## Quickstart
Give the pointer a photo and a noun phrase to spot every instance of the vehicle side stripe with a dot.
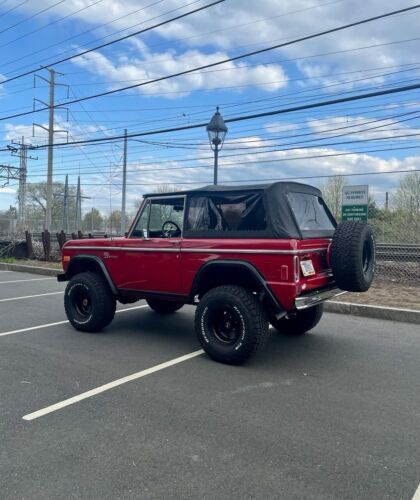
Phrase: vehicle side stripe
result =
(197, 250)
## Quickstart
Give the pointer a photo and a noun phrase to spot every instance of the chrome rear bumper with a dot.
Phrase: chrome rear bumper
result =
(314, 298)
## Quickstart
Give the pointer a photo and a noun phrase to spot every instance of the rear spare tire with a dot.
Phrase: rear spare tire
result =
(299, 322)
(231, 324)
(89, 303)
(164, 306)
(353, 256)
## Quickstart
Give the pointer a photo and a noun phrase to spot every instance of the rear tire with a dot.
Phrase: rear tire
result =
(299, 322)
(353, 256)
(230, 324)
(164, 306)
(89, 303)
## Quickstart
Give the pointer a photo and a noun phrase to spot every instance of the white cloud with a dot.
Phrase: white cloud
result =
(280, 127)
(359, 127)
(138, 69)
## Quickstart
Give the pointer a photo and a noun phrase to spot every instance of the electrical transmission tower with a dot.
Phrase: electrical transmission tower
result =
(20, 149)
(51, 131)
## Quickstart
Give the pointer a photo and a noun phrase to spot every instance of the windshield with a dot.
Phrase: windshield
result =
(310, 213)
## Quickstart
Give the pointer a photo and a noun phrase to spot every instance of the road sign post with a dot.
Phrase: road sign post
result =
(354, 203)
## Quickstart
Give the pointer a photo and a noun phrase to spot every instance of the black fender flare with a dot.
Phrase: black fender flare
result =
(271, 299)
(92, 259)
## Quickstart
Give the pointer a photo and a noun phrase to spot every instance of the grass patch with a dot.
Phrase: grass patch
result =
(8, 260)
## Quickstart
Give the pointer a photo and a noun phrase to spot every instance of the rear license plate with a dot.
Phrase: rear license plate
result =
(307, 268)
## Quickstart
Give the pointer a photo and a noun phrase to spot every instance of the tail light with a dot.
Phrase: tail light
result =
(296, 271)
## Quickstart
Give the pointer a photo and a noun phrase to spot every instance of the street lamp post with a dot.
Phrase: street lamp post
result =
(216, 130)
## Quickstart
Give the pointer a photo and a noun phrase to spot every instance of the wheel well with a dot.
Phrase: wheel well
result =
(83, 266)
(237, 273)
(226, 275)
(90, 264)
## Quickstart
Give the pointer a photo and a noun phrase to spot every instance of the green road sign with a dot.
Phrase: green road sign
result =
(354, 212)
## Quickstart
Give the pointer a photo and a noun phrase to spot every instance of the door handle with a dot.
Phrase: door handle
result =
(174, 242)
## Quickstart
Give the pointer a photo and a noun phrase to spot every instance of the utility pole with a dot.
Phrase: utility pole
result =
(50, 129)
(78, 205)
(124, 186)
(66, 205)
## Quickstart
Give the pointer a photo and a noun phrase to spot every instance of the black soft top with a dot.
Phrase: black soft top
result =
(281, 186)
(281, 220)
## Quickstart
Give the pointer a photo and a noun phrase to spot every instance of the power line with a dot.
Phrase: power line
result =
(250, 117)
(31, 17)
(77, 36)
(144, 30)
(50, 24)
(14, 8)
(159, 44)
(273, 179)
(224, 61)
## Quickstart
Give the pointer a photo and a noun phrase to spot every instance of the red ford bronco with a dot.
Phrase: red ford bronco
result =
(245, 256)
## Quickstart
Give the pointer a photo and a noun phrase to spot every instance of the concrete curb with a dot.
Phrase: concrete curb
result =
(377, 312)
(29, 269)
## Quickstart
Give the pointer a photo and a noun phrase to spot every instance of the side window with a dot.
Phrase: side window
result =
(142, 221)
(226, 213)
(166, 218)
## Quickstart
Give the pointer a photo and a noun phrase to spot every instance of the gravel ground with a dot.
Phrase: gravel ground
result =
(386, 294)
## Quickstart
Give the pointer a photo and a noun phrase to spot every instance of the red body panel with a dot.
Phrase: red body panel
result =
(169, 265)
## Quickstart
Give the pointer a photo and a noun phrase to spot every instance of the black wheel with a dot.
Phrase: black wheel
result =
(353, 256)
(164, 306)
(230, 324)
(299, 322)
(89, 303)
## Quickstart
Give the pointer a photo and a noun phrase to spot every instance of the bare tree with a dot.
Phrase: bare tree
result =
(332, 193)
(407, 202)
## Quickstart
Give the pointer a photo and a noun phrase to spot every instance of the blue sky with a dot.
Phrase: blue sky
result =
(357, 60)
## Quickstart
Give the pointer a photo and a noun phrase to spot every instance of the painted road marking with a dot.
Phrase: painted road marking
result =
(5, 271)
(22, 330)
(417, 494)
(30, 296)
(24, 281)
(110, 385)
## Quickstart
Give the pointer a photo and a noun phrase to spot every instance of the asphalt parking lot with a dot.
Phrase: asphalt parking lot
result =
(333, 414)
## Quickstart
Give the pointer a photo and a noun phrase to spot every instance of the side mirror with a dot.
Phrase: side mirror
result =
(145, 234)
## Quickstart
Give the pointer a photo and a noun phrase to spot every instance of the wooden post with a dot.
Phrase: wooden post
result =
(46, 243)
(29, 248)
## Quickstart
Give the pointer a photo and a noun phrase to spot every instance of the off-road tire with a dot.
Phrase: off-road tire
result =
(245, 313)
(353, 256)
(164, 306)
(100, 310)
(299, 322)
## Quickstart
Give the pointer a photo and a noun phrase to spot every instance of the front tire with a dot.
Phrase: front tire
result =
(164, 306)
(230, 324)
(89, 303)
(299, 322)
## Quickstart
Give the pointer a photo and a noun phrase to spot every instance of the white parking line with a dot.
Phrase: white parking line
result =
(417, 494)
(22, 330)
(30, 296)
(110, 385)
(23, 281)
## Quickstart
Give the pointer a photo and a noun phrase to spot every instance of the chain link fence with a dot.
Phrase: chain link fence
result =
(397, 234)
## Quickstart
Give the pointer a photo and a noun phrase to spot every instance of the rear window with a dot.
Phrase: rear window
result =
(310, 212)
